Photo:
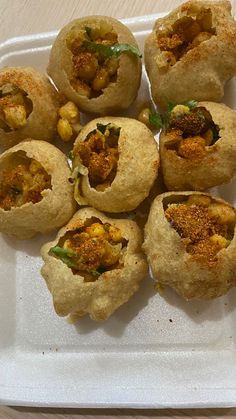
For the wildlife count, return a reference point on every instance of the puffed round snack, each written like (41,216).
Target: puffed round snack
(137,166)
(124,81)
(203,264)
(200,166)
(56,204)
(192,59)
(72,294)
(33,104)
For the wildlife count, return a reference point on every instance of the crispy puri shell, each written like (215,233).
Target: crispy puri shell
(170,263)
(42,121)
(57,205)
(202,72)
(117,95)
(137,167)
(101,298)
(216,167)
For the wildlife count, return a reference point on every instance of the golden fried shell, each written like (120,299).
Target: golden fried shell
(101,297)
(123,87)
(195,268)
(38,96)
(44,191)
(137,167)
(213,165)
(192,61)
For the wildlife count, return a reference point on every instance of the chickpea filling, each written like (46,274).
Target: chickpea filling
(205,225)
(99,153)
(183,35)
(91,249)
(191,132)
(93,71)
(68,125)
(22,181)
(15,107)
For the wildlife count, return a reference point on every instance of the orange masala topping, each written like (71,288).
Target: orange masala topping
(92,249)
(99,153)
(93,71)
(186,33)
(23,183)
(191,131)
(205,225)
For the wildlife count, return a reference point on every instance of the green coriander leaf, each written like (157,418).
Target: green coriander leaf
(112,129)
(118,49)
(65,255)
(97,48)
(166,120)
(88,31)
(170,106)
(102,128)
(108,51)
(155,119)
(71,155)
(190,104)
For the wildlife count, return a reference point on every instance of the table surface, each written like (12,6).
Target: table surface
(20,17)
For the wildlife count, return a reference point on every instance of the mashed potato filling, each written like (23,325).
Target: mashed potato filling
(184,34)
(99,153)
(15,107)
(92,70)
(23,182)
(91,249)
(206,226)
(191,131)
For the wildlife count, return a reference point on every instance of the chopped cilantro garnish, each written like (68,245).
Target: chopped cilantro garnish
(155,119)
(190,104)
(158,120)
(112,129)
(170,106)
(102,128)
(70,155)
(65,255)
(162,121)
(88,31)
(109,51)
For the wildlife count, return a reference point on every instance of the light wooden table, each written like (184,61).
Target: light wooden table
(19,17)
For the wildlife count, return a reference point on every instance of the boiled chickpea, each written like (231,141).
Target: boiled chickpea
(143,116)
(224,213)
(101,80)
(199,200)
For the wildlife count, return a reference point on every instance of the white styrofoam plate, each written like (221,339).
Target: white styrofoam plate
(153,352)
